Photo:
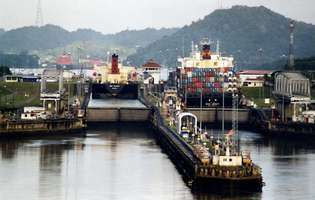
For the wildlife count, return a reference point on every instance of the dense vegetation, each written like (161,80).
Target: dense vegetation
(253,35)
(51,37)
(19,60)
(1,31)
(18,95)
(4,70)
(305,64)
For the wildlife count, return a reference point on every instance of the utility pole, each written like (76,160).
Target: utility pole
(183,47)
(291,47)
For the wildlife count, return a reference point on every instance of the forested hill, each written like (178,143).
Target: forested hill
(253,35)
(1,31)
(51,36)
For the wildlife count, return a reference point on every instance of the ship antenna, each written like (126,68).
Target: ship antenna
(108,57)
(218,47)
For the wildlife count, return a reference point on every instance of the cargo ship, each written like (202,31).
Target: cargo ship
(115,81)
(205,76)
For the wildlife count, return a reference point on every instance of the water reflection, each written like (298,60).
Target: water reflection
(124,162)
(9,149)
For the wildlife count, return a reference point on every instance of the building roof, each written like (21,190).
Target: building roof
(64,59)
(293,75)
(96,62)
(254,72)
(51,72)
(151,63)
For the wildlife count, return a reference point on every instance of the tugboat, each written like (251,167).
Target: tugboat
(221,163)
(115,81)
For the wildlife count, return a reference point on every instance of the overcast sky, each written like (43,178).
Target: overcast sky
(109,16)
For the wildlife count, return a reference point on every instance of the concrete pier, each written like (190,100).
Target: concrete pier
(116,110)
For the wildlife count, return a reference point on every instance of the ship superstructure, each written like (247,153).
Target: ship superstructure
(115,80)
(207,75)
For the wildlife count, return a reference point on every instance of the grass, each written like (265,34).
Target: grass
(19,95)
(258,95)
(4,91)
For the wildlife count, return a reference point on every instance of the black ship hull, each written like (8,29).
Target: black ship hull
(120,91)
(208,100)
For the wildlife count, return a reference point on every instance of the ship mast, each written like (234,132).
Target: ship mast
(218,47)
(235,121)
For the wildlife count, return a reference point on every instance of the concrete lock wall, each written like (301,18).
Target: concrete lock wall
(102,115)
(117,114)
(213,115)
(208,115)
(130,115)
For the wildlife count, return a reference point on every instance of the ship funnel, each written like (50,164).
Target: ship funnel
(206,53)
(206,50)
(115,69)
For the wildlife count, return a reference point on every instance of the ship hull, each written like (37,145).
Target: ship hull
(248,184)
(120,91)
(208,100)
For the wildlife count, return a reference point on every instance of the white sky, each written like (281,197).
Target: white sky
(109,16)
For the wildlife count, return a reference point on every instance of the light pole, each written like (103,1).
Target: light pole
(201,96)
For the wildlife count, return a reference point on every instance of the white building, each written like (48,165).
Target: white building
(151,70)
(252,74)
(292,85)
(293,93)
(254,82)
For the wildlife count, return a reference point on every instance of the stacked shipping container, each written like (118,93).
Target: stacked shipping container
(208,80)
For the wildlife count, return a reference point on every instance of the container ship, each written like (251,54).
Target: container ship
(115,81)
(205,76)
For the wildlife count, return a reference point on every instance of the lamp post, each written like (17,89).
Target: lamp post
(201,96)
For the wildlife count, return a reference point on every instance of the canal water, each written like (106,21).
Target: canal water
(124,162)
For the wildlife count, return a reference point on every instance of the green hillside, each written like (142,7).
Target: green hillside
(242,31)
(51,38)
(1,31)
